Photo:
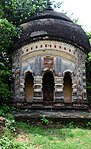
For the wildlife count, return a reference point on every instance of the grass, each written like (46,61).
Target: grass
(53,138)
(35,137)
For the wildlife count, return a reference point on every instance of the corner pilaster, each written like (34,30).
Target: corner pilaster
(74,89)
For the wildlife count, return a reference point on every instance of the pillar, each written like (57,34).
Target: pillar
(74,89)
(84,82)
(22,92)
(58,91)
(38,95)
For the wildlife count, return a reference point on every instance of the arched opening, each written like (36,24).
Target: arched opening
(48,87)
(29,87)
(67,88)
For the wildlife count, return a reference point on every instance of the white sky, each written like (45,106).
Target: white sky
(81,9)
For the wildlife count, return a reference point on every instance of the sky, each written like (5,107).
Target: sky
(80,9)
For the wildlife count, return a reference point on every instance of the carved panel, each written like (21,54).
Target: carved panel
(48,63)
(50,53)
(37,70)
(58,66)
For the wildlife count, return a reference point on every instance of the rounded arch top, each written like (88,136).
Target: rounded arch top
(26,72)
(68,71)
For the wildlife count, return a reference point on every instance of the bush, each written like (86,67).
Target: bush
(6,143)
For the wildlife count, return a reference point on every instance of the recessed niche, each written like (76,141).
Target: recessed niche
(26,50)
(74,52)
(64,48)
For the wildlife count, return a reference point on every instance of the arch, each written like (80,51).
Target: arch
(67,71)
(67,87)
(29,86)
(48,87)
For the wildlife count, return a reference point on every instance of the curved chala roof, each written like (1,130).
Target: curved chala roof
(55,26)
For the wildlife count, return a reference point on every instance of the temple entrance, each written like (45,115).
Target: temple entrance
(67,88)
(48,87)
(29,87)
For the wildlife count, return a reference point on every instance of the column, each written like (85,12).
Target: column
(22,93)
(17,84)
(58,92)
(74,89)
(38,95)
(84,82)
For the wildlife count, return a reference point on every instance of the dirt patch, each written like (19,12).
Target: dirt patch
(2,122)
(22,137)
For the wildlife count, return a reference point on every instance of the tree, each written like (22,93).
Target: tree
(89,36)
(7,32)
(88,63)
(16,11)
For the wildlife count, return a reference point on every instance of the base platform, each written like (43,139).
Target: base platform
(51,114)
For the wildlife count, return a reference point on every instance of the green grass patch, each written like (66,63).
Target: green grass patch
(26,136)
(53,138)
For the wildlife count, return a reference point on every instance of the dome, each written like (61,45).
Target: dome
(53,25)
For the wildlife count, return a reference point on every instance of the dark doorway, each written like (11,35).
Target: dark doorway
(67,88)
(29,87)
(48,87)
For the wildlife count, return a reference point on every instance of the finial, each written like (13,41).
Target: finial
(49,5)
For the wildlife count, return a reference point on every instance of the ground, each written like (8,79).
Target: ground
(29,136)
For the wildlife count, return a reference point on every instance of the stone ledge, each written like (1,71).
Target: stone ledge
(54,106)
(65,114)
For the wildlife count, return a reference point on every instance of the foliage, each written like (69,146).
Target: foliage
(7,33)
(89,36)
(88,63)
(88,124)
(17,11)
(28,137)
(7,140)
(4,109)
(44,120)
(4,78)
(6,143)
(10,123)
(24,136)
(57,4)
(89,57)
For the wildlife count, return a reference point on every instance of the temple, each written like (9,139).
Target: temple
(48,63)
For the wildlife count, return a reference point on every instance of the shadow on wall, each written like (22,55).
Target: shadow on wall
(67,88)
(29,87)
(48,86)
